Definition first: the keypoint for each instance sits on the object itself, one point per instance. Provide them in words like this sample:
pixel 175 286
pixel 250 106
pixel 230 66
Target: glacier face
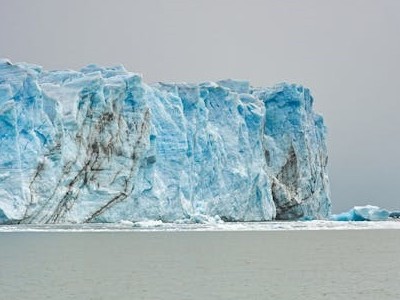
pixel 100 145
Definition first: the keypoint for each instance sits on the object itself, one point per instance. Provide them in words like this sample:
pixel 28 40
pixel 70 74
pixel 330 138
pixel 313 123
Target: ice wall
pixel 100 145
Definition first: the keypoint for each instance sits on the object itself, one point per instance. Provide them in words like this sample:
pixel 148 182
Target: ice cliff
pixel 100 145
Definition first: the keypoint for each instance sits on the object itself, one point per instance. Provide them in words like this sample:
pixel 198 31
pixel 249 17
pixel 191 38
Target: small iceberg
pixel 363 213
pixel 148 223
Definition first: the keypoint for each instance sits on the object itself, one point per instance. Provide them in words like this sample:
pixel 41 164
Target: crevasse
pixel 100 145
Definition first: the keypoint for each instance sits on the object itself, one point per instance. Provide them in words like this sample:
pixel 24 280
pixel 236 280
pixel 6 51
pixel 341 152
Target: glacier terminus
pixel 100 145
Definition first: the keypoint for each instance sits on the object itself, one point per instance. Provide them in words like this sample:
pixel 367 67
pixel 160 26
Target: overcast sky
pixel 346 52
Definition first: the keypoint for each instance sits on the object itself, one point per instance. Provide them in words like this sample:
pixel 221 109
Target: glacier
pixel 99 145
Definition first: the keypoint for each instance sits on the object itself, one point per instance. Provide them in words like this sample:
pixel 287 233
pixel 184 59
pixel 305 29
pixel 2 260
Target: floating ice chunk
pixel 148 223
pixel 372 213
pixel 126 223
pixel 362 213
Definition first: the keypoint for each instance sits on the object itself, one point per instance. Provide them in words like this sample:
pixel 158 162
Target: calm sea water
pixel 300 264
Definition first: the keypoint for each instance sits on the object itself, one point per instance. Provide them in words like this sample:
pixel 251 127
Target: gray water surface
pixel 340 264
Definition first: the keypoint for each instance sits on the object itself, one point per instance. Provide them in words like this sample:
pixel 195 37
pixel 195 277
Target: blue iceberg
pixel 362 213
pixel 100 145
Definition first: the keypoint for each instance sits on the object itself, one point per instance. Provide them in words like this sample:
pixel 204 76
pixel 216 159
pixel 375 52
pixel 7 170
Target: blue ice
pixel 100 145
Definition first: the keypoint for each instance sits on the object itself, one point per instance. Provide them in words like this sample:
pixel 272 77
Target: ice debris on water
pixel 100 145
